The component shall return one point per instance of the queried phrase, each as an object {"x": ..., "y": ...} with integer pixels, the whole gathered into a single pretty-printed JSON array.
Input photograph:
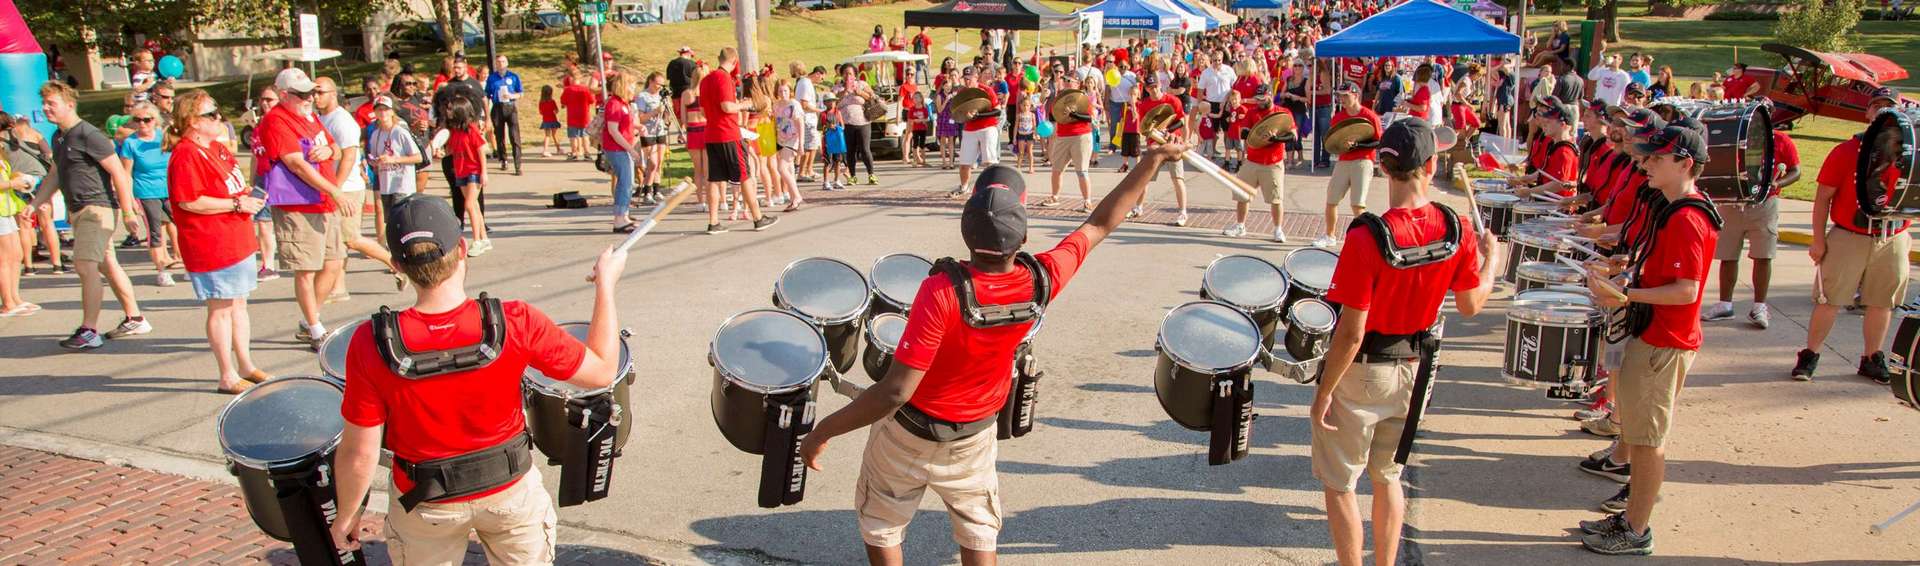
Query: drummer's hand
[
  {"x": 1590, "y": 230},
  {"x": 347, "y": 534},
  {"x": 607, "y": 270},
  {"x": 1817, "y": 250},
  {"x": 1173, "y": 150},
  {"x": 1576, "y": 202},
  {"x": 811, "y": 448},
  {"x": 1322, "y": 404}
]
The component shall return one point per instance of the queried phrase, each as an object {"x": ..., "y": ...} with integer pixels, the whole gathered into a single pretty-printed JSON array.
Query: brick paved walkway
[
  {"x": 60, "y": 510},
  {"x": 1301, "y": 226}
]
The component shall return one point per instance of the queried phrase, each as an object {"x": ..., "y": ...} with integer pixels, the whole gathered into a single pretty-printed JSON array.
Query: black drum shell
[
  {"x": 1186, "y": 395},
  {"x": 1518, "y": 253},
  {"x": 1901, "y": 359},
  {"x": 876, "y": 361},
  {"x": 843, "y": 344},
  {"x": 547, "y": 418},
  {"x": 263, "y": 501},
  {"x": 741, "y": 413},
  {"x": 1554, "y": 343}
]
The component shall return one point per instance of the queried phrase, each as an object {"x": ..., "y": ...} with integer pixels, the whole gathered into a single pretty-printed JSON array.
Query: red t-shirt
[
  {"x": 208, "y": 242},
  {"x": 1355, "y": 69},
  {"x": 618, "y": 115},
  {"x": 917, "y": 115},
  {"x": 364, "y": 114},
  {"x": 1597, "y": 171},
  {"x": 549, "y": 111},
  {"x": 1621, "y": 198},
  {"x": 1179, "y": 113},
  {"x": 463, "y": 147},
  {"x": 1245, "y": 86},
  {"x": 717, "y": 89},
  {"x": 579, "y": 103},
  {"x": 1785, "y": 155},
  {"x": 1418, "y": 104},
  {"x": 282, "y": 132},
  {"x": 969, "y": 369},
  {"x": 1070, "y": 129},
  {"x": 976, "y": 124},
  {"x": 1563, "y": 164},
  {"x": 1251, "y": 114},
  {"x": 1372, "y": 118},
  {"x": 456, "y": 413},
  {"x": 1737, "y": 86},
  {"x": 1683, "y": 249},
  {"x": 1412, "y": 296},
  {"x": 1838, "y": 172}
]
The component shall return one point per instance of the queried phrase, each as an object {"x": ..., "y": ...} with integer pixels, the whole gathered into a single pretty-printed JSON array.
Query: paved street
[{"x": 1763, "y": 469}]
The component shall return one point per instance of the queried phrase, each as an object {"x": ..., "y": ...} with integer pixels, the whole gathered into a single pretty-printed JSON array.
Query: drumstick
[
  {"x": 1196, "y": 161},
  {"x": 1882, "y": 527},
  {"x": 1589, "y": 251},
  {"x": 1573, "y": 264},
  {"x": 1473, "y": 208},
  {"x": 679, "y": 194},
  {"x": 1549, "y": 197}
]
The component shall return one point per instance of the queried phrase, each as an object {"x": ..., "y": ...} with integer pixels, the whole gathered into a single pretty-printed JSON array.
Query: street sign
[
  {"x": 593, "y": 18},
  {"x": 591, "y": 7}
]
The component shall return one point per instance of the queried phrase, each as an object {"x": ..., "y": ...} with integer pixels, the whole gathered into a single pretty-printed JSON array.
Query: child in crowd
[
  {"x": 1023, "y": 128},
  {"x": 549, "y": 121},
  {"x": 917, "y": 117},
  {"x": 834, "y": 143},
  {"x": 580, "y": 106},
  {"x": 946, "y": 129},
  {"x": 789, "y": 119},
  {"x": 467, "y": 146},
  {"x": 1234, "y": 152},
  {"x": 393, "y": 153}
]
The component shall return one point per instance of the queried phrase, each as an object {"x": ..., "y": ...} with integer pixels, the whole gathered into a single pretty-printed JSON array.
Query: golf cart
[
  {"x": 889, "y": 129},
  {"x": 243, "y": 126}
]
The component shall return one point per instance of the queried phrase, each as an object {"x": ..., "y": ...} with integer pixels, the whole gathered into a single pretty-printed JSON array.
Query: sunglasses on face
[{"x": 142, "y": 120}]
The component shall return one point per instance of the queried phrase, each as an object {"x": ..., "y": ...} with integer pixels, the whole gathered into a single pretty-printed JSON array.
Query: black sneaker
[
  {"x": 1612, "y": 522},
  {"x": 1606, "y": 468},
  {"x": 132, "y": 242},
  {"x": 83, "y": 339},
  {"x": 766, "y": 221},
  {"x": 1874, "y": 367},
  {"x": 1617, "y": 503},
  {"x": 1803, "y": 369},
  {"x": 717, "y": 228},
  {"x": 1620, "y": 542}
]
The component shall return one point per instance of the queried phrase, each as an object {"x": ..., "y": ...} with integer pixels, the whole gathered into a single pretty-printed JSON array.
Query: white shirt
[
  {"x": 393, "y": 179},
  {"x": 1123, "y": 92},
  {"x": 1216, "y": 82},
  {"x": 346, "y": 133},
  {"x": 803, "y": 91},
  {"x": 1609, "y": 84}
]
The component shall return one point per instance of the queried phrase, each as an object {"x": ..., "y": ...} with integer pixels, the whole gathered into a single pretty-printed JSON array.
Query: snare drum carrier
[
  {"x": 1633, "y": 319},
  {"x": 1425, "y": 344},
  {"x": 1016, "y": 417}
]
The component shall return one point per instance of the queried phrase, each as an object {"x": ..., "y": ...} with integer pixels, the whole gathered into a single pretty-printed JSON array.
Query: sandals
[
  {"x": 627, "y": 228},
  {"x": 244, "y": 386},
  {"x": 23, "y": 309},
  {"x": 1050, "y": 202},
  {"x": 257, "y": 376}
]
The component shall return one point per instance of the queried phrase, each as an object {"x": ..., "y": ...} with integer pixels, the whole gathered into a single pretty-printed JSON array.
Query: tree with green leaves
[{"x": 1819, "y": 25}]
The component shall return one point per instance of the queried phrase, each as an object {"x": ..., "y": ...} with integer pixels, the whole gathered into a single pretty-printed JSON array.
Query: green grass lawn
[{"x": 1698, "y": 48}]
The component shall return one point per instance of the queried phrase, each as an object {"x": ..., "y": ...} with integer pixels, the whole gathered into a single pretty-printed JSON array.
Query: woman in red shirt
[
  {"x": 466, "y": 147},
  {"x": 549, "y": 121},
  {"x": 213, "y": 211}
]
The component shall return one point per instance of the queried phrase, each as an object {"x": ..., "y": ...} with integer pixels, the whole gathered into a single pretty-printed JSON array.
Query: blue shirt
[
  {"x": 1640, "y": 77},
  {"x": 149, "y": 165},
  {"x": 836, "y": 140},
  {"x": 498, "y": 82}
]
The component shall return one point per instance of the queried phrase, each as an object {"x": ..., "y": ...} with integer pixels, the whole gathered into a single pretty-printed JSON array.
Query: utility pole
[
  {"x": 486, "y": 28},
  {"x": 745, "y": 33}
]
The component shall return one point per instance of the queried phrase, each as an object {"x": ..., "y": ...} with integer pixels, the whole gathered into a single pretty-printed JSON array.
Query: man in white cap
[{"x": 302, "y": 191}]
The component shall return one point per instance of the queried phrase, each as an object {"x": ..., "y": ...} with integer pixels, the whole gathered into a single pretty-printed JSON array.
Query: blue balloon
[{"x": 171, "y": 67}]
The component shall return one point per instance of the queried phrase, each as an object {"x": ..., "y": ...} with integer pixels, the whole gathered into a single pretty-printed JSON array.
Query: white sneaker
[
  {"x": 1719, "y": 311},
  {"x": 1325, "y": 242},
  {"x": 164, "y": 279},
  {"x": 1238, "y": 229},
  {"x": 479, "y": 247},
  {"x": 1180, "y": 220},
  {"x": 1280, "y": 235},
  {"x": 1760, "y": 317},
  {"x": 1137, "y": 211}
]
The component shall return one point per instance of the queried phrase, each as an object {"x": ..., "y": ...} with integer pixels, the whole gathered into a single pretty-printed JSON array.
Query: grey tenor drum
[
  {"x": 1253, "y": 285},
  {"x": 830, "y": 294},
  {"x": 765, "y": 363},
  {"x": 547, "y": 400},
  {"x": 1553, "y": 338},
  {"x": 1496, "y": 211},
  {"x": 883, "y": 338},
  {"x": 1206, "y": 352},
  {"x": 896, "y": 280},
  {"x": 1309, "y": 273},
  {"x": 1530, "y": 243},
  {"x": 279, "y": 438},
  {"x": 333, "y": 351}
]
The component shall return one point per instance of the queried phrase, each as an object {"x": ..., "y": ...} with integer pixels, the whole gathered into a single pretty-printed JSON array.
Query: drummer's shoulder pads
[
  {"x": 409, "y": 364},
  {"x": 1414, "y": 256},
  {"x": 989, "y": 316}
]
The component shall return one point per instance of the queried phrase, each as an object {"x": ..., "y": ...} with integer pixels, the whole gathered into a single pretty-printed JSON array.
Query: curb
[{"x": 1798, "y": 237}]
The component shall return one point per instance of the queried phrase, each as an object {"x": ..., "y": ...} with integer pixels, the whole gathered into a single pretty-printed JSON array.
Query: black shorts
[
  {"x": 725, "y": 162},
  {"x": 650, "y": 141},
  {"x": 919, "y": 139},
  {"x": 1130, "y": 144},
  {"x": 1023, "y": 138}
]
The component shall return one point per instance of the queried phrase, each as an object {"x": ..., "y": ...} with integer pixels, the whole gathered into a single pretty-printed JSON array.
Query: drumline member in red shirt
[
  {"x": 934, "y": 414},
  {"x": 442, "y": 380},
  {"x": 979, "y": 137},
  {"x": 1073, "y": 146},
  {"x": 1353, "y": 172},
  {"x": 1380, "y": 360},
  {"x": 1264, "y": 170},
  {"x": 1859, "y": 253},
  {"x": 1757, "y": 226},
  {"x": 1668, "y": 268},
  {"x": 727, "y": 161},
  {"x": 1559, "y": 166},
  {"x": 1179, "y": 132}
]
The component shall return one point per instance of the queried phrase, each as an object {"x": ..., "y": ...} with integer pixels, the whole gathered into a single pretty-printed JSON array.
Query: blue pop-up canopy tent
[
  {"x": 1260, "y": 4},
  {"x": 1416, "y": 28},
  {"x": 1134, "y": 14},
  {"x": 1194, "y": 11}
]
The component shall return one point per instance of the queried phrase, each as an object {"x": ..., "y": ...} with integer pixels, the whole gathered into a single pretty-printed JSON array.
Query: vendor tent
[
  {"x": 991, "y": 14},
  {"x": 1224, "y": 17},
  {"x": 1188, "y": 9},
  {"x": 1260, "y": 4},
  {"x": 1135, "y": 15},
  {"x": 1415, "y": 28}
]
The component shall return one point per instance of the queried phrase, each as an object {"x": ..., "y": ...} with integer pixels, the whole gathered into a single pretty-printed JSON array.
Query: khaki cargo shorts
[
  {"x": 898, "y": 468},
  {"x": 1876, "y": 267},
  {"x": 1270, "y": 179},
  {"x": 1370, "y": 409},
  {"x": 516, "y": 526},
  {"x": 93, "y": 228},
  {"x": 307, "y": 240},
  {"x": 1350, "y": 181},
  {"x": 349, "y": 210},
  {"x": 1645, "y": 390},
  {"x": 1075, "y": 151},
  {"x": 1755, "y": 226}
]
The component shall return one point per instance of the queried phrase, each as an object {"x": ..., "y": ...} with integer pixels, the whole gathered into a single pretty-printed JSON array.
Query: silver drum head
[
  {"x": 1312, "y": 268},
  {"x": 897, "y": 277},
  {"x": 1549, "y": 272},
  {"x": 333, "y": 351},
  {"x": 1209, "y": 337},
  {"x": 885, "y": 330},
  {"x": 1244, "y": 281},
  {"x": 551, "y": 387},
  {"x": 824, "y": 290},
  {"x": 1557, "y": 307},
  {"x": 769, "y": 351},
  {"x": 282, "y": 421},
  {"x": 1495, "y": 200},
  {"x": 1312, "y": 316}
]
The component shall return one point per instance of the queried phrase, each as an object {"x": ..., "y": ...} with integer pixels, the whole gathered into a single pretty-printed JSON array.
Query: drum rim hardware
[
  {"x": 713, "y": 359},
  {"x": 1295, "y": 280},
  {"x": 220, "y": 424},
  {"x": 1553, "y": 312},
  {"x": 546, "y": 384},
  {"x": 873, "y": 279},
  {"x": 1253, "y": 358},
  {"x": 779, "y": 285}
]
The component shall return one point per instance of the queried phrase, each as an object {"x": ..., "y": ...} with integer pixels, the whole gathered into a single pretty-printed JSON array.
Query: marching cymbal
[
  {"x": 967, "y": 103},
  {"x": 1348, "y": 134},
  {"x": 1158, "y": 120},
  {"x": 1444, "y": 138},
  {"x": 1276, "y": 127},
  {"x": 1068, "y": 103}
]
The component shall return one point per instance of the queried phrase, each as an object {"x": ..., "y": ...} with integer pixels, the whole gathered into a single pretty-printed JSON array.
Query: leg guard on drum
[
  {"x": 783, "y": 477},
  {"x": 586, "y": 470},
  {"x": 1232, "y": 428},
  {"x": 1016, "y": 418},
  {"x": 309, "y": 505}
]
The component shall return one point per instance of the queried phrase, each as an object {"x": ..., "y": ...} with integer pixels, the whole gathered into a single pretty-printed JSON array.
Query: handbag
[{"x": 287, "y": 189}]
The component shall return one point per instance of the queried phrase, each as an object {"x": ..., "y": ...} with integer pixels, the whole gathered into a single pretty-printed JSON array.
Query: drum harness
[
  {"x": 1016, "y": 417},
  {"x": 1633, "y": 319},
  {"x": 1425, "y": 344}
]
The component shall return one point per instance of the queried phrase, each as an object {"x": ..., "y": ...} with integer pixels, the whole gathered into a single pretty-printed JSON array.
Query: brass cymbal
[
  {"x": 1276, "y": 127},
  {"x": 1348, "y": 134},
  {"x": 1068, "y": 103},
  {"x": 967, "y": 103},
  {"x": 1157, "y": 120}
]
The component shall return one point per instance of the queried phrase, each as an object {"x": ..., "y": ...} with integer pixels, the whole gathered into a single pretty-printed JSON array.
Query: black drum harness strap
[
  {"x": 1015, "y": 419},
  {"x": 1412, "y": 256},
  {"x": 783, "y": 474},
  {"x": 409, "y": 364},
  {"x": 309, "y": 504},
  {"x": 1633, "y": 319}
]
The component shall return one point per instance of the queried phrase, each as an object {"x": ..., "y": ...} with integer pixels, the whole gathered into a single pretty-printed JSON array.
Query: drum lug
[
  {"x": 786, "y": 416},
  {"x": 324, "y": 475}
]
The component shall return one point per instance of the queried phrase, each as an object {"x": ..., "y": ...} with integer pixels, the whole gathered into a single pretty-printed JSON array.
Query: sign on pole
[
  {"x": 310, "y": 34},
  {"x": 1090, "y": 27},
  {"x": 593, "y": 13}
]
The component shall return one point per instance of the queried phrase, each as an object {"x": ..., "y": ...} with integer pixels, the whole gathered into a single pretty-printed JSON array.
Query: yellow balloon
[{"x": 1113, "y": 77}]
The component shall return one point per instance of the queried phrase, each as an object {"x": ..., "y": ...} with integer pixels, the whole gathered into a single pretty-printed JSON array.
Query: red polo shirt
[
  {"x": 1363, "y": 279},
  {"x": 1838, "y": 171},
  {"x": 1683, "y": 249}
]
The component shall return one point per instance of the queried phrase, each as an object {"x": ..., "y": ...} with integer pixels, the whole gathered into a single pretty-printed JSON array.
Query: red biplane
[{"x": 1836, "y": 85}]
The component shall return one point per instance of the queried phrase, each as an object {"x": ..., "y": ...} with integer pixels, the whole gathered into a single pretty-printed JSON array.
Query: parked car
[
  {"x": 637, "y": 18},
  {"x": 815, "y": 4},
  {"x": 425, "y": 37},
  {"x": 537, "y": 21}
]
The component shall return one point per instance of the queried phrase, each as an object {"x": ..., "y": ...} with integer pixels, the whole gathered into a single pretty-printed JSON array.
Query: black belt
[
  {"x": 466, "y": 474},
  {"x": 935, "y": 429},
  {"x": 1382, "y": 358}
]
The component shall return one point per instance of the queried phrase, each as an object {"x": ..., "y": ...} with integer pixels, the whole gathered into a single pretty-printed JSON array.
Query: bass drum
[
  {"x": 832, "y": 295},
  {"x": 1901, "y": 359},
  {"x": 333, "y": 351},
  {"x": 883, "y": 338},
  {"x": 1253, "y": 285},
  {"x": 1197, "y": 342},
  {"x": 1888, "y": 173},
  {"x": 1739, "y": 153},
  {"x": 286, "y": 426},
  {"x": 757, "y": 355},
  {"x": 546, "y": 400},
  {"x": 896, "y": 279}
]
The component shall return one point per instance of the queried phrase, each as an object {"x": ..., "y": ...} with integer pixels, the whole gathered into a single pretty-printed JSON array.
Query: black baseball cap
[
  {"x": 1409, "y": 142},
  {"x": 994, "y": 220},
  {"x": 1690, "y": 123},
  {"x": 1676, "y": 140},
  {"x": 419, "y": 218},
  {"x": 1562, "y": 113},
  {"x": 1262, "y": 89},
  {"x": 1639, "y": 121},
  {"x": 1884, "y": 93}
]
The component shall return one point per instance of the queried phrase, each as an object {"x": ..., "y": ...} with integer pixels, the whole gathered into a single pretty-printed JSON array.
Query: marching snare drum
[
  {"x": 1496, "y": 211},
  {"x": 1739, "y": 164},
  {"x": 883, "y": 338},
  {"x": 765, "y": 363},
  {"x": 1253, "y": 285},
  {"x": 1889, "y": 164},
  {"x": 832, "y": 295},
  {"x": 278, "y": 435},
  {"x": 1528, "y": 210},
  {"x": 1309, "y": 273},
  {"x": 546, "y": 400},
  {"x": 1543, "y": 274},
  {"x": 1485, "y": 186},
  {"x": 896, "y": 279},
  {"x": 1553, "y": 337},
  {"x": 1206, "y": 352},
  {"x": 333, "y": 351},
  {"x": 1309, "y": 326},
  {"x": 1531, "y": 243}
]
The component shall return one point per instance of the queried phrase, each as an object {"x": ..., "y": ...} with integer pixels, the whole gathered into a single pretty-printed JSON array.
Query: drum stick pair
[
  {"x": 1587, "y": 250},
  {"x": 679, "y": 195}
]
